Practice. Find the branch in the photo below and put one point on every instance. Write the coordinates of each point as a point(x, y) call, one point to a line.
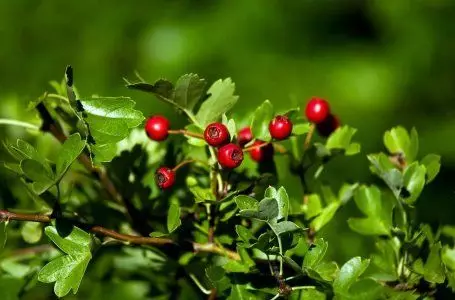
point(6, 215)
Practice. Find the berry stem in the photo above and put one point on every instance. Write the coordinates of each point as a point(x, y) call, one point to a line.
point(278, 148)
point(248, 149)
point(308, 137)
point(189, 161)
point(187, 133)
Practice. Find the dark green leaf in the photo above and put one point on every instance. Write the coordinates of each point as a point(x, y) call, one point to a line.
point(188, 90)
point(161, 88)
point(433, 268)
point(173, 217)
point(36, 171)
point(11, 287)
point(268, 209)
point(215, 273)
point(383, 167)
point(261, 119)
point(432, 163)
point(414, 181)
point(246, 202)
point(3, 234)
point(221, 100)
point(244, 233)
point(200, 194)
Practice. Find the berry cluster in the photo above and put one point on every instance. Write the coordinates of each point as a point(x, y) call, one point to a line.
point(318, 112)
point(230, 154)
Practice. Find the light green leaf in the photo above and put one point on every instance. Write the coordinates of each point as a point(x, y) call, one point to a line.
point(313, 294)
point(326, 215)
point(349, 274)
point(246, 202)
point(67, 271)
point(432, 163)
point(313, 206)
point(433, 268)
point(369, 226)
point(346, 192)
point(414, 181)
point(448, 257)
point(104, 152)
point(341, 139)
point(200, 194)
point(368, 200)
point(230, 125)
point(244, 233)
point(188, 90)
point(301, 128)
point(327, 270)
point(173, 217)
point(70, 151)
point(315, 254)
point(365, 289)
point(413, 146)
point(261, 119)
point(233, 266)
point(31, 232)
point(397, 141)
point(240, 292)
point(221, 100)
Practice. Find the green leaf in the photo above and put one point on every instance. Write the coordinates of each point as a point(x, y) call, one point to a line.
point(70, 151)
point(162, 88)
point(301, 128)
point(109, 120)
point(246, 202)
point(368, 200)
point(285, 226)
point(432, 163)
point(366, 289)
point(398, 141)
point(327, 270)
point(433, 268)
point(312, 294)
point(36, 171)
point(173, 217)
point(31, 232)
point(282, 198)
point(215, 273)
point(448, 257)
point(341, 139)
point(346, 192)
point(197, 142)
point(369, 226)
point(233, 266)
point(230, 124)
point(67, 271)
point(313, 206)
point(381, 166)
point(326, 215)
point(3, 234)
point(414, 181)
point(188, 90)
point(200, 194)
point(244, 233)
point(261, 119)
point(221, 100)
point(240, 292)
point(11, 287)
point(349, 274)
point(268, 209)
point(315, 254)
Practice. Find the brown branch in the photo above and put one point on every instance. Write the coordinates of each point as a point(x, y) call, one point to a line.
point(6, 215)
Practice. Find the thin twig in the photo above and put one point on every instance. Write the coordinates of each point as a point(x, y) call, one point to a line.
point(308, 137)
point(187, 133)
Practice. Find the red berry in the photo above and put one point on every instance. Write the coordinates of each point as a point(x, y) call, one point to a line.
point(216, 135)
point(317, 110)
point(165, 177)
point(244, 136)
point(230, 156)
point(280, 127)
point(261, 153)
point(329, 125)
point(157, 128)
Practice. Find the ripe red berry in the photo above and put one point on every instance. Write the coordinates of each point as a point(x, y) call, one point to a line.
point(230, 156)
point(216, 135)
point(165, 177)
point(317, 110)
point(261, 153)
point(329, 125)
point(157, 128)
point(244, 136)
point(280, 127)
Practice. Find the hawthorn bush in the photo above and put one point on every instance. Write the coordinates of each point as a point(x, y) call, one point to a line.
point(149, 211)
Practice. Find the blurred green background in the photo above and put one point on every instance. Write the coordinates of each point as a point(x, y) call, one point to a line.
point(380, 64)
